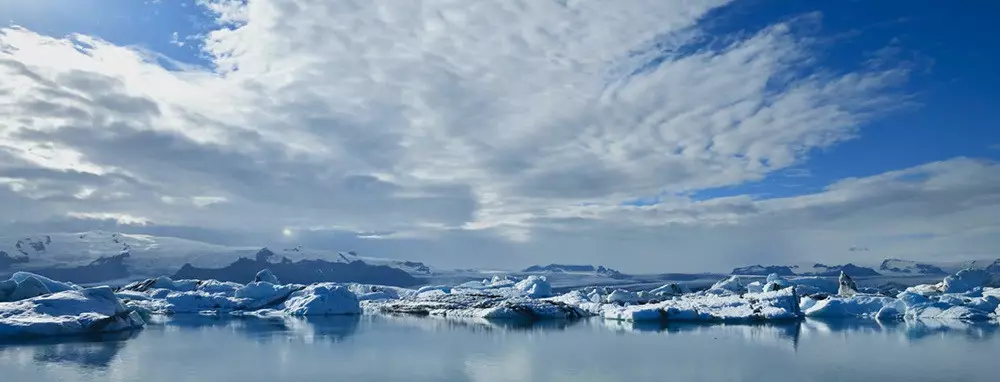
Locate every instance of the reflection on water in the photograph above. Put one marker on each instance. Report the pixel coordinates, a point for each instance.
(191, 347)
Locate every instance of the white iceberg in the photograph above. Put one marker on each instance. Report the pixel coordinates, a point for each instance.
(847, 286)
(52, 285)
(671, 289)
(322, 300)
(27, 288)
(513, 302)
(780, 304)
(964, 281)
(91, 310)
(534, 287)
(861, 306)
(734, 284)
(267, 276)
(621, 296)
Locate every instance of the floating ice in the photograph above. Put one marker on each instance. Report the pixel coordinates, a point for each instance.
(52, 285)
(534, 286)
(734, 284)
(780, 304)
(964, 281)
(864, 306)
(847, 287)
(89, 310)
(671, 289)
(322, 300)
(267, 276)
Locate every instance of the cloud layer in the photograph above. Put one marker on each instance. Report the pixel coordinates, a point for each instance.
(449, 127)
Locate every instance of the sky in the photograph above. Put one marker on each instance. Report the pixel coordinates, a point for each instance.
(649, 136)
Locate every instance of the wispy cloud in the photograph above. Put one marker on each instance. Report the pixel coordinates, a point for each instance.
(430, 119)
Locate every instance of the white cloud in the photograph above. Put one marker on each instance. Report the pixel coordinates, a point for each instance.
(433, 119)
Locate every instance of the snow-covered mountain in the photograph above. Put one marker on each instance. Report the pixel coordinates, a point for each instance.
(146, 254)
(96, 256)
(898, 266)
(580, 269)
(888, 267)
(302, 271)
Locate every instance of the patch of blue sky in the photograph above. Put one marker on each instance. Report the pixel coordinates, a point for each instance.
(953, 89)
(152, 25)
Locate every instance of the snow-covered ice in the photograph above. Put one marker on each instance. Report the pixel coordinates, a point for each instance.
(779, 304)
(322, 300)
(91, 310)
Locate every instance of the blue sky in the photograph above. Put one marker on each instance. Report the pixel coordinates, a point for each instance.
(500, 137)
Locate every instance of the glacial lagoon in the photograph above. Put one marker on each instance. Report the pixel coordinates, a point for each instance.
(404, 348)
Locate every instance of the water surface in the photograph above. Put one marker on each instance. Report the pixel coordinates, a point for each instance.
(377, 348)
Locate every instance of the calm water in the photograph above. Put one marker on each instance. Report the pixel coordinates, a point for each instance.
(373, 348)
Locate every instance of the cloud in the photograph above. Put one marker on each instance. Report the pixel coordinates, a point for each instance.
(517, 126)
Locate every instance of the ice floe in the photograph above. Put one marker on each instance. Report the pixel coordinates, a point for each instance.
(91, 310)
(779, 304)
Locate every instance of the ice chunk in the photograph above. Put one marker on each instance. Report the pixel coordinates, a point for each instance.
(671, 289)
(163, 282)
(848, 287)
(939, 310)
(735, 284)
(534, 286)
(866, 306)
(781, 304)
(52, 285)
(266, 276)
(190, 302)
(215, 286)
(29, 287)
(964, 280)
(89, 310)
(322, 300)
(775, 278)
(622, 296)
(814, 285)
(260, 294)
(888, 312)
(6, 288)
(477, 304)
(430, 288)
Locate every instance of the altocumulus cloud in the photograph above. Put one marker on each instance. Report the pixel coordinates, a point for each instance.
(474, 133)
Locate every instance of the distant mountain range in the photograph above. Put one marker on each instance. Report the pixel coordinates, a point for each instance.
(568, 268)
(302, 271)
(100, 256)
(888, 267)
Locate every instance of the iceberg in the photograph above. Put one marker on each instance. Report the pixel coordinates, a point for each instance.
(534, 287)
(266, 275)
(499, 298)
(52, 285)
(861, 306)
(27, 288)
(964, 281)
(671, 289)
(958, 297)
(322, 300)
(734, 284)
(779, 304)
(91, 310)
(847, 287)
